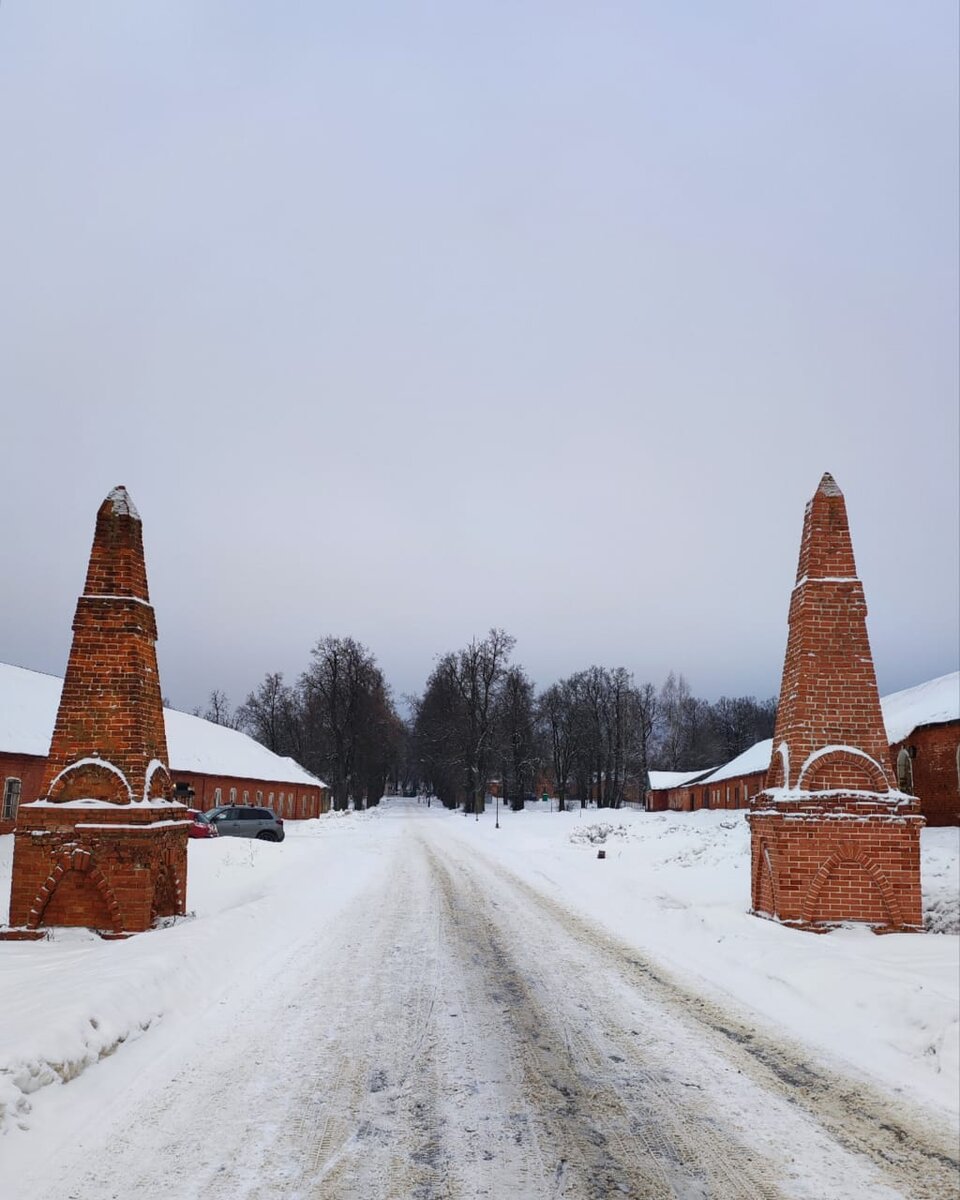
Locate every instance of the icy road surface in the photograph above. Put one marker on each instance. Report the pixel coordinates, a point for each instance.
(455, 1033)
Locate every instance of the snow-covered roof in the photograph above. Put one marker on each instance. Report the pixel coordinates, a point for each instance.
(28, 710)
(756, 758)
(929, 703)
(660, 781)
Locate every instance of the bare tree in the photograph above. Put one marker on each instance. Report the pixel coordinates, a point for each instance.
(344, 696)
(218, 711)
(560, 714)
(480, 668)
(517, 736)
(272, 714)
(440, 734)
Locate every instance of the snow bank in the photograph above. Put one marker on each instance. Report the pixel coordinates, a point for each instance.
(75, 999)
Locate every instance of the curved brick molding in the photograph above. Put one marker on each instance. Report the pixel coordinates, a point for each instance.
(105, 845)
(832, 838)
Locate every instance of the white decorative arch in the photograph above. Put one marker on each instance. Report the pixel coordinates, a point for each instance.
(103, 763)
(156, 764)
(784, 751)
(851, 750)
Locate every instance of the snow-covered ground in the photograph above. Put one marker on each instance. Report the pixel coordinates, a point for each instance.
(677, 885)
(376, 1003)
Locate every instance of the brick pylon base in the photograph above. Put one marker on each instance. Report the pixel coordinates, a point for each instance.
(815, 866)
(115, 871)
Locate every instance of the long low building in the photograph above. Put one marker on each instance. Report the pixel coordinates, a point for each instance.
(210, 764)
(923, 729)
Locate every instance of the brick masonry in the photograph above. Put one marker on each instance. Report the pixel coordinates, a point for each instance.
(934, 771)
(288, 800)
(832, 838)
(106, 844)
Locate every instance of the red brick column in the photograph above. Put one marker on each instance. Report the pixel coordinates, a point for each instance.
(105, 844)
(832, 838)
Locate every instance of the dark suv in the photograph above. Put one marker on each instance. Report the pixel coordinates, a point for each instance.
(232, 820)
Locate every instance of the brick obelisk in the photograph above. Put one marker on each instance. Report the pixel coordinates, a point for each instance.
(832, 839)
(105, 844)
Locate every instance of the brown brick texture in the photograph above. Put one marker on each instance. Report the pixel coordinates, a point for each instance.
(112, 866)
(829, 842)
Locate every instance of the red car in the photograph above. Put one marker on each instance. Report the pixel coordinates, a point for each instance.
(199, 827)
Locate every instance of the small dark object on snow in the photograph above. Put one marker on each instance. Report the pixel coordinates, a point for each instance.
(601, 854)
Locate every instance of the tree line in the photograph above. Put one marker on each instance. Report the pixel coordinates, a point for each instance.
(480, 723)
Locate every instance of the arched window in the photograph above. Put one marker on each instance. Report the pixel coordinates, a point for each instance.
(217, 797)
(905, 772)
(11, 799)
(233, 795)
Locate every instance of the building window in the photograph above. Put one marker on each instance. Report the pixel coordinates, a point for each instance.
(281, 801)
(246, 796)
(270, 800)
(11, 799)
(217, 797)
(905, 772)
(233, 795)
(259, 797)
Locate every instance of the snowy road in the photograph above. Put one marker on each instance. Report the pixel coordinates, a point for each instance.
(454, 1033)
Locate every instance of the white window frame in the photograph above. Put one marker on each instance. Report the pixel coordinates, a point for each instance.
(11, 797)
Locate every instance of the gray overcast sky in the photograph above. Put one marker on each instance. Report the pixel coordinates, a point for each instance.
(404, 320)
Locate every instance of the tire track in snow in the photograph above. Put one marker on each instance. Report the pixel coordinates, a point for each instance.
(589, 1128)
(912, 1151)
(374, 1129)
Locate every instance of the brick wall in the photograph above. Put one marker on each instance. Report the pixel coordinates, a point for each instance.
(82, 867)
(288, 800)
(813, 867)
(29, 769)
(297, 802)
(935, 767)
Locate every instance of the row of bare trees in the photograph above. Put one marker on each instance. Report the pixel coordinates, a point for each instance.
(592, 735)
(338, 721)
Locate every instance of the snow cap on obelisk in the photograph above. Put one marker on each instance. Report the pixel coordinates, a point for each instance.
(109, 742)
